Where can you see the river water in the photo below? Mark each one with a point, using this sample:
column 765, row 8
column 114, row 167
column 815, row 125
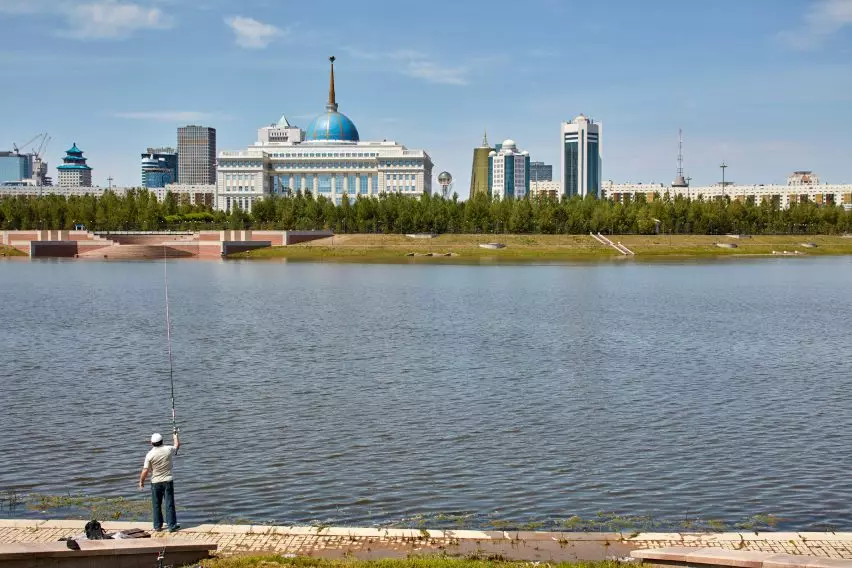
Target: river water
column 401, row 394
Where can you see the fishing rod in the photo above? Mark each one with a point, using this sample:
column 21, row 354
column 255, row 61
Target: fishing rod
column 169, row 336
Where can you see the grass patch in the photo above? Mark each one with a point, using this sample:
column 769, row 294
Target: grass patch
column 413, row 562
column 542, row 248
column 85, row 507
column 10, row 251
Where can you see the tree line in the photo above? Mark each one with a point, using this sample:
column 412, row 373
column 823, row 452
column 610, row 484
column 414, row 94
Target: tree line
column 139, row 210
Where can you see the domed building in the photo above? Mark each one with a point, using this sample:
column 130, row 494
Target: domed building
column 328, row 159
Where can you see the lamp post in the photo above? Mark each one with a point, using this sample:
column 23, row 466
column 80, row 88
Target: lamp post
column 723, row 166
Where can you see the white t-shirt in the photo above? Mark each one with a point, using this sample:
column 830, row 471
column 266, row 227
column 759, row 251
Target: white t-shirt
column 159, row 462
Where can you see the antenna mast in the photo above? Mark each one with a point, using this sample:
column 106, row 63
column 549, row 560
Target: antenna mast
column 680, row 181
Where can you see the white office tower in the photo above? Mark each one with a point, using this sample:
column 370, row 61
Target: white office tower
column 509, row 172
column 581, row 157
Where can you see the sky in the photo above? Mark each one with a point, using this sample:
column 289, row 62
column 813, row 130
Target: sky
column 764, row 85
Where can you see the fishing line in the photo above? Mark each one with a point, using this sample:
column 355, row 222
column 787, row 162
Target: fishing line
column 169, row 334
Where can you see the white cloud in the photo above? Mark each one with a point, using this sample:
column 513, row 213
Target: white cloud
column 95, row 19
column 251, row 34
column 824, row 19
column 434, row 73
column 416, row 64
column 167, row 116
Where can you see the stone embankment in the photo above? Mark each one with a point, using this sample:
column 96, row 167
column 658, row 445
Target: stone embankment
column 368, row 543
column 149, row 245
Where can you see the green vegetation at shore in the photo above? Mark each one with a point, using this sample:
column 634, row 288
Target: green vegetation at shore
column 412, row 562
column 396, row 214
column 10, row 251
column 544, row 248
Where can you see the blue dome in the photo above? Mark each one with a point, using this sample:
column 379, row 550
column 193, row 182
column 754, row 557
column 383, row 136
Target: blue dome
column 334, row 127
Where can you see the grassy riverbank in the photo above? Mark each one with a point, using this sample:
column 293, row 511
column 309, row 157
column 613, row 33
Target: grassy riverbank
column 544, row 248
column 9, row 251
column 413, row 562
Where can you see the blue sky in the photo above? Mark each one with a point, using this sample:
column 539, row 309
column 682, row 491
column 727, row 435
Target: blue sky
column 765, row 85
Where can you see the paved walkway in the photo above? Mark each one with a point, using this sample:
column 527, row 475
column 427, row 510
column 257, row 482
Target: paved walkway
column 384, row 543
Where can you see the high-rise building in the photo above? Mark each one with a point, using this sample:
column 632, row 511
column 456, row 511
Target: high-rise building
column 196, row 155
column 159, row 167
column 14, row 167
column 509, row 172
column 480, row 170
column 74, row 172
column 539, row 171
column 580, row 151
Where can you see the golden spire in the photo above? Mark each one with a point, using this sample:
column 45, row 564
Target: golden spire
column 332, row 101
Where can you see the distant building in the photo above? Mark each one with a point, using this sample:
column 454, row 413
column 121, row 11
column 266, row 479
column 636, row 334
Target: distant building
column 783, row 195
column 581, row 157
column 14, row 167
column 74, row 172
column 803, row 177
column 188, row 194
column 280, row 132
column 196, row 155
column 550, row 189
column 159, row 167
column 480, row 171
column 328, row 159
column 509, row 172
column 539, row 171
column 166, row 160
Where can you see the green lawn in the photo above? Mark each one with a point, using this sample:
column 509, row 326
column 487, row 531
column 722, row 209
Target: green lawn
column 532, row 248
column 414, row 562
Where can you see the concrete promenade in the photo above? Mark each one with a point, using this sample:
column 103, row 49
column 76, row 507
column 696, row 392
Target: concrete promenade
column 371, row 543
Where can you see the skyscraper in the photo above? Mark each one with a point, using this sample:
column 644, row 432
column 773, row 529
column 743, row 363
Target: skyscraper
column 580, row 151
column 539, row 171
column 509, row 171
column 197, row 155
column 14, row 167
column 480, row 171
column 159, row 167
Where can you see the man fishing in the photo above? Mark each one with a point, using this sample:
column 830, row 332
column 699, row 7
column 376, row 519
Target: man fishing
column 158, row 462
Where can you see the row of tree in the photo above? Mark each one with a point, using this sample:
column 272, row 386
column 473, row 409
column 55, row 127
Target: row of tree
column 392, row 213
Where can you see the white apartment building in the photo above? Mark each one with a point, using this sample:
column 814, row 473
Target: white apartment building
column 545, row 189
column 785, row 195
column 580, row 152
column 509, row 172
column 202, row 194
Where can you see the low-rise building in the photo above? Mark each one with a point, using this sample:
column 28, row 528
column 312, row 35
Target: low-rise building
column 188, row 194
column 552, row 189
column 29, row 190
column 784, row 195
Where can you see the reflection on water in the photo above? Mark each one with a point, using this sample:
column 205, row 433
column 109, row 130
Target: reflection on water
column 370, row 394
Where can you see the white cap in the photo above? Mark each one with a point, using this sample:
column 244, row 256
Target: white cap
column 156, row 439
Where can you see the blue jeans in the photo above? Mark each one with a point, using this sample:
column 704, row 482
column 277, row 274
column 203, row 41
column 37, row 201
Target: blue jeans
column 160, row 491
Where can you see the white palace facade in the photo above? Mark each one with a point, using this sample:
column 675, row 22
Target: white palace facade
column 328, row 159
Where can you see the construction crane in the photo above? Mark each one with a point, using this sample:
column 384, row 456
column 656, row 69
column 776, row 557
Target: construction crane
column 27, row 143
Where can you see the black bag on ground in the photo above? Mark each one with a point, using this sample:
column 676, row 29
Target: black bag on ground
column 94, row 531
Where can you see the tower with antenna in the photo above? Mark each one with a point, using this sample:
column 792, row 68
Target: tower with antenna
column 680, row 181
